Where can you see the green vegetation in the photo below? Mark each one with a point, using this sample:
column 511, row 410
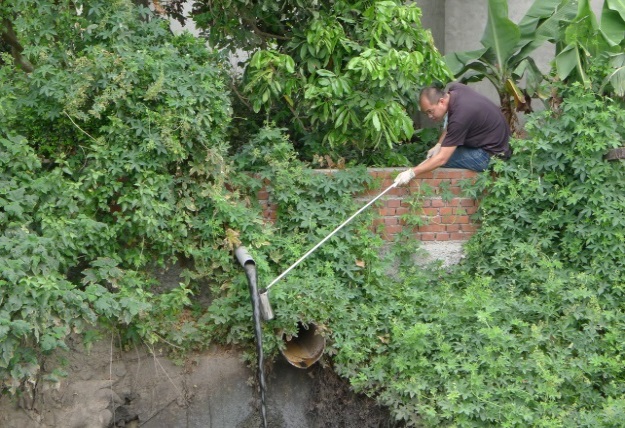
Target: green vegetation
column 116, row 160
column 571, row 25
column 114, row 163
column 528, row 331
column 341, row 77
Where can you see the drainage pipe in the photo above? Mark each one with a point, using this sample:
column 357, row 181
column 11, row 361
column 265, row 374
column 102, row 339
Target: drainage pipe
column 249, row 266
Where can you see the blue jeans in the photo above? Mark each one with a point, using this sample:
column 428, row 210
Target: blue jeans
column 468, row 158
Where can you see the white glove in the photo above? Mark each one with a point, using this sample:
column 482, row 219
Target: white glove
column 434, row 150
column 404, row 177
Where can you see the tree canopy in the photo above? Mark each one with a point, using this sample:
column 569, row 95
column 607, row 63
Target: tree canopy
column 341, row 76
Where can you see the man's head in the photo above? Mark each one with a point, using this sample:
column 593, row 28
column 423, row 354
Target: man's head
column 434, row 102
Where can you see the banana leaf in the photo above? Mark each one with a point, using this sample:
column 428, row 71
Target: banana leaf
column 580, row 43
column 501, row 36
column 533, row 76
column 616, row 79
column 613, row 21
column 568, row 60
column 459, row 62
column 542, row 23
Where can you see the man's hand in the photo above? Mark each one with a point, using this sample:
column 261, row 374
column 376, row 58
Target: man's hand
column 404, row 177
column 433, row 151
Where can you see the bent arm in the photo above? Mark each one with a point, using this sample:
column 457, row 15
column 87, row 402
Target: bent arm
column 434, row 150
column 436, row 161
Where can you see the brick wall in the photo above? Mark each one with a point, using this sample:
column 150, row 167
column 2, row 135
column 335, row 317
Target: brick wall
column 445, row 213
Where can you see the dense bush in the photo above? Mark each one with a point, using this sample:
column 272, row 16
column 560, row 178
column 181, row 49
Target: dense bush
column 114, row 163
column 342, row 77
column 44, row 234
column 559, row 198
column 528, row 331
column 541, row 348
column 114, row 160
column 309, row 206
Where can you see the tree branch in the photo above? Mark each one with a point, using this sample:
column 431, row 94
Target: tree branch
column 9, row 37
column 261, row 33
column 240, row 96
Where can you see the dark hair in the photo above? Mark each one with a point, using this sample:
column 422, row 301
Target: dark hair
column 433, row 93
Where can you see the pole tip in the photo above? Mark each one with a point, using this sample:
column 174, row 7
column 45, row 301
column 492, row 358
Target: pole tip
column 265, row 307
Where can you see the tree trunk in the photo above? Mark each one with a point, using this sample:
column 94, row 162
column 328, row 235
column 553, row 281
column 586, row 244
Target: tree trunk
column 507, row 108
column 10, row 38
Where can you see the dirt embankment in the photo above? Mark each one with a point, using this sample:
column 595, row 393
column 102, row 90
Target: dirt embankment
column 106, row 387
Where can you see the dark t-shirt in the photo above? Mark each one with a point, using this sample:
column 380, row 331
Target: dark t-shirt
column 475, row 121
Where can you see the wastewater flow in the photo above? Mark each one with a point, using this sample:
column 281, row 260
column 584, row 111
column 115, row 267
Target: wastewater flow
column 250, row 272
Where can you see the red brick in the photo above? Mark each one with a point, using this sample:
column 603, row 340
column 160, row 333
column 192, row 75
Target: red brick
column 470, row 210
column 393, row 203
column 401, row 211
column 434, row 219
column 449, row 219
column 445, row 211
column 393, row 229
column 432, row 228
column 386, row 211
column 460, row 236
column 469, row 228
column 462, row 219
column 427, row 236
column 452, row 228
column 448, row 173
column 429, row 211
column 443, row 236
column 262, row 195
column 391, row 221
column 398, row 191
column 437, row 203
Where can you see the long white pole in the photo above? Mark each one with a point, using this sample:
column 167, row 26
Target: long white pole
column 283, row 274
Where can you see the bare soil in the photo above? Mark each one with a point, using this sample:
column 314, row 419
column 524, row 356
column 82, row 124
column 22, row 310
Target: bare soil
column 335, row 405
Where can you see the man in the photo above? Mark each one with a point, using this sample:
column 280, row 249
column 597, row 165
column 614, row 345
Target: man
column 474, row 131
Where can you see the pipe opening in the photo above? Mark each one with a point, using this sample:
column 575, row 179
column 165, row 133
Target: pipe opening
column 304, row 349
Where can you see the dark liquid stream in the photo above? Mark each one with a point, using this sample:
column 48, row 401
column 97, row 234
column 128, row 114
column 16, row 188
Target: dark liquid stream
column 250, row 272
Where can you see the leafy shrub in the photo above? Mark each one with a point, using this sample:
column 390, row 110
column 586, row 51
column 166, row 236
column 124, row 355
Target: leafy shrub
column 341, row 76
column 43, row 233
column 559, row 197
column 543, row 348
column 310, row 205
column 528, row 330
column 113, row 163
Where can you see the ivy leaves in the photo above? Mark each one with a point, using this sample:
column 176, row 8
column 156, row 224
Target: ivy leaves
column 560, row 192
column 114, row 160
